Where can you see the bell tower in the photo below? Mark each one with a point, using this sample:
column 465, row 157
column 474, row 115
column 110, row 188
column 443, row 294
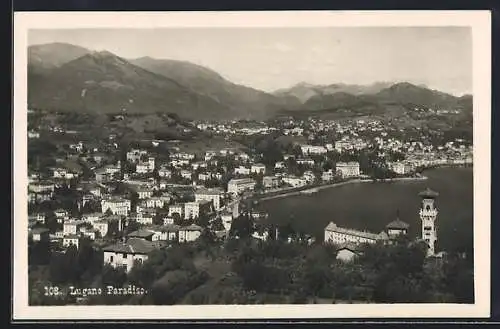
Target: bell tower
column 428, row 214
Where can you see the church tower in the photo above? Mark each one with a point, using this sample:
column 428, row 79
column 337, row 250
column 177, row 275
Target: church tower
column 428, row 214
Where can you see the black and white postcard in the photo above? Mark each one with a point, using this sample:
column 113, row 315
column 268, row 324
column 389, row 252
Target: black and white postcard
column 237, row 165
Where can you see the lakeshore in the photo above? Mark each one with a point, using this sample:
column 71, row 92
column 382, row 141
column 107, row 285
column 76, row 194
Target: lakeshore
column 372, row 206
column 308, row 190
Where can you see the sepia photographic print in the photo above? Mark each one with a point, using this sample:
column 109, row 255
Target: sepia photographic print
column 251, row 165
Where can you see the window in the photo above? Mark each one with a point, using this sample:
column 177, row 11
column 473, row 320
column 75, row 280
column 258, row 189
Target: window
column 110, row 259
column 124, row 255
column 428, row 207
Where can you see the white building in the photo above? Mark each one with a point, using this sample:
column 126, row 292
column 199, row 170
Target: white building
column 164, row 172
column 271, row 182
column 237, row 186
column 258, row 168
column 214, row 195
column 327, row 176
column 194, row 209
column 156, row 202
column 124, row 255
column 242, row 171
column 145, row 167
column 102, row 226
column 189, row 233
column 186, row 174
column 176, row 209
column 340, row 235
column 135, row 155
column 312, row 149
column 294, row 181
column 71, row 240
column 348, row 169
column 144, row 193
column 72, row 227
column 279, row 165
column 227, row 220
column 118, row 206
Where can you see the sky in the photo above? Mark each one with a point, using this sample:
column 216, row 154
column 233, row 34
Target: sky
column 272, row 58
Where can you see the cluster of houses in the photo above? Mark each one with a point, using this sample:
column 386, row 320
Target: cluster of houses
column 164, row 194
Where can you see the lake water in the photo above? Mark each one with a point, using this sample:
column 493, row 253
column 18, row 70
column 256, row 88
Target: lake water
column 371, row 206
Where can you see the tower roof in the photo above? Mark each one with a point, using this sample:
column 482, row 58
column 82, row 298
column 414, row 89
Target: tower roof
column 428, row 193
column 397, row 225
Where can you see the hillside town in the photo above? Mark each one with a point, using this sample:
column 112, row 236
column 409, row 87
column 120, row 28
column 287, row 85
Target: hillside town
column 153, row 197
column 127, row 200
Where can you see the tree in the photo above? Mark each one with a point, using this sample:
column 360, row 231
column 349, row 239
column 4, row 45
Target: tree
column 177, row 218
column 242, row 226
column 158, row 219
column 115, row 277
column 142, row 274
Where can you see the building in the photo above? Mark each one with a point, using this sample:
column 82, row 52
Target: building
column 165, row 172
column 258, row 168
column 347, row 252
column 38, row 217
column 156, row 202
column 244, row 171
column 340, row 235
column 312, row 149
column 309, row 176
column 144, row 218
column 145, row 167
column 135, row 155
column 144, row 193
column 90, row 233
column 214, row 195
column 71, row 240
column 170, row 232
column 237, row 186
column 186, row 174
column 92, row 217
column 72, row 227
column 396, row 228
column 168, row 221
column 227, row 220
column 189, row 233
column 327, row 176
column 348, row 169
column 271, row 182
column 428, row 214
column 40, row 234
column 294, row 181
column 279, row 165
column 102, row 226
column 118, row 206
column 41, row 187
column 125, row 254
column 142, row 234
column 176, row 209
column 195, row 209
column 401, row 168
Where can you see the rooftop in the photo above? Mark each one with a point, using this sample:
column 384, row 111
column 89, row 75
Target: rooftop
column 398, row 225
column 141, row 234
column 192, row 227
column 132, row 246
column 332, row 227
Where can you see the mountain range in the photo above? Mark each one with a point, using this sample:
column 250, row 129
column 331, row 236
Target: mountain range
column 65, row 77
